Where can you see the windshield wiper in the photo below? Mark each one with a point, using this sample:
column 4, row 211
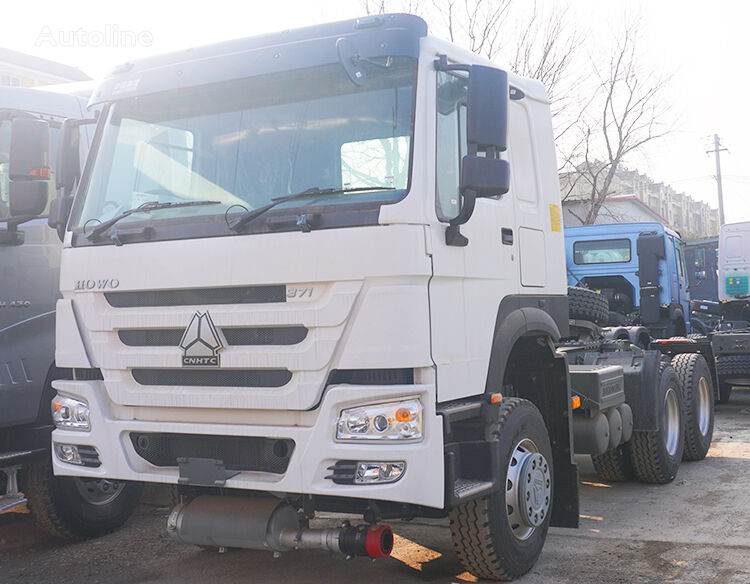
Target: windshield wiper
column 248, row 216
column 144, row 208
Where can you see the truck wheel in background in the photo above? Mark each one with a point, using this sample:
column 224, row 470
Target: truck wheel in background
column 698, row 392
column 500, row 536
column 656, row 456
column 732, row 370
column 76, row 508
column 585, row 304
column 614, row 465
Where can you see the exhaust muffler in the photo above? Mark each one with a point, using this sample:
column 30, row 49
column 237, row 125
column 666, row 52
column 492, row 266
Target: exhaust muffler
column 263, row 523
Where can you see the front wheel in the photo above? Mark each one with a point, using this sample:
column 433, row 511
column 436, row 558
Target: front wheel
column 500, row 536
column 78, row 508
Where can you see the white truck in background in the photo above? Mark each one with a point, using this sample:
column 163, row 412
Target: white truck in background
column 29, row 288
column 299, row 276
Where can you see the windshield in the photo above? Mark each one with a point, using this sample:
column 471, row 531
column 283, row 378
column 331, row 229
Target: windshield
column 249, row 141
column 608, row 251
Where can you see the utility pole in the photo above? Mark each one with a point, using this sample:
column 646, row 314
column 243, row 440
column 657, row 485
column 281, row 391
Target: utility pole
column 717, row 149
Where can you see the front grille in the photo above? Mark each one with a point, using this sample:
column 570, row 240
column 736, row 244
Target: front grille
column 92, row 374
column 288, row 335
column 371, row 376
column 343, row 472
column 236, row 452
column 213, row 377
column 197, row 296
column 89, row 456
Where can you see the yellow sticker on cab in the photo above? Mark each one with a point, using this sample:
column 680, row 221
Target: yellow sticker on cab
column 554, row 218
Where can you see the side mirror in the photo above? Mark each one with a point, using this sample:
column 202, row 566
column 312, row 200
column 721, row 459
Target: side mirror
column 487, row 115
column 28, row 167
column 68, row 168
column 67, row 173
column 486, row 133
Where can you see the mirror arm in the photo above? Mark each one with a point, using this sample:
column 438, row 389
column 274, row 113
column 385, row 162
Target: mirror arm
column 453, row 235
column 441, row 64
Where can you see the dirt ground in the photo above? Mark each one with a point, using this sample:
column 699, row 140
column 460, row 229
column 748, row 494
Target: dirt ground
column 694, row 530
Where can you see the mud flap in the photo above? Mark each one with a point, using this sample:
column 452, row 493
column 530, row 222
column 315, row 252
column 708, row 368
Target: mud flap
column 558, row 419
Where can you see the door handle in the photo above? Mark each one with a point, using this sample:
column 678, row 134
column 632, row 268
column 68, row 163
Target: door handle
column 507, row 236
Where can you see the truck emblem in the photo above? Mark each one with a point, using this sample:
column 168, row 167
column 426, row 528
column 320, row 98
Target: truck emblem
column 200, row 342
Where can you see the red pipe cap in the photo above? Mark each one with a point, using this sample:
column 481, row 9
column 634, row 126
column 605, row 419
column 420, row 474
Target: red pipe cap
column 379, row 541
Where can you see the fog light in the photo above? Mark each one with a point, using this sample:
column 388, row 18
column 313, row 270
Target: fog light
column 378, row 472
column 68, row 453
column 70, row 414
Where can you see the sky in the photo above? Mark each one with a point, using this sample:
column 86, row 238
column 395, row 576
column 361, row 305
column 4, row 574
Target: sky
column 702, row 46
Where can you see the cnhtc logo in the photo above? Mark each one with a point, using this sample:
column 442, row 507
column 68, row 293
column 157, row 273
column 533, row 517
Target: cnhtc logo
column 200, row 342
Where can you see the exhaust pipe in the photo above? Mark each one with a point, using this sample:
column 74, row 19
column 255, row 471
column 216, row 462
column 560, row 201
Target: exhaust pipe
column 262, row 523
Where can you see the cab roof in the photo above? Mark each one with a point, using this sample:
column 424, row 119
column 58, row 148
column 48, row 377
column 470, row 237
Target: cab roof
column 373, row 37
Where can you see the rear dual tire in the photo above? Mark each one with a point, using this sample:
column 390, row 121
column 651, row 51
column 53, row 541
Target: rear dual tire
column 698, row 392
column 656, row 456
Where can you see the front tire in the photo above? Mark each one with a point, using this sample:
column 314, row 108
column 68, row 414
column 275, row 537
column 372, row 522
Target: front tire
column 500, row 536
column 695, row 376
column 76, row 508
column 656, row 456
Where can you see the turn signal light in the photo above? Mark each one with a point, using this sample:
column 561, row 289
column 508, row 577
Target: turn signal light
column 576, row 402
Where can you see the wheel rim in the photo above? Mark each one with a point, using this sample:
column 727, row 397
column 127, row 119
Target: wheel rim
column 703, row 407
column 671, row 421
column 528, row 487
column 98, row 491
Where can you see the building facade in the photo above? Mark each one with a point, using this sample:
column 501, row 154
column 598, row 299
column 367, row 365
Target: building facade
column 22, row 70
column 636, row 197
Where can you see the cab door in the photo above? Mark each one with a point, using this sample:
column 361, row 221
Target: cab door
column 470, row 281
column 683, row 283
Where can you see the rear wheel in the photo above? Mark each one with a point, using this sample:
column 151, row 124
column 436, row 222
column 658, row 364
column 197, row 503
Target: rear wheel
column 656, row 456
column 614, row 465
column 500, row 536
column 698, row 392
column 78, row 508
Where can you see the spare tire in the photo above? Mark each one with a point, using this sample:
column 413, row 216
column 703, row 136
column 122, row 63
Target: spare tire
column 585, row 304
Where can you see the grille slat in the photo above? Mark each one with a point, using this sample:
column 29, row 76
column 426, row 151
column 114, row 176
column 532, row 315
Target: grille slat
column 197, row 296
column 243, row 453
column 213, row 377
column 288, row 335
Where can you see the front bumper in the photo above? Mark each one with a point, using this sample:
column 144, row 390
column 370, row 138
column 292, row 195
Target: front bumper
column 315, row 446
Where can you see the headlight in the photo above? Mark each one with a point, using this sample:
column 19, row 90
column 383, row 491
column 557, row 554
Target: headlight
column 392, row 421
column 70, row 413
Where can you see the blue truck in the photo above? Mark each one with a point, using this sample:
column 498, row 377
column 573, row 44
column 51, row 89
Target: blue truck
column 639, row 267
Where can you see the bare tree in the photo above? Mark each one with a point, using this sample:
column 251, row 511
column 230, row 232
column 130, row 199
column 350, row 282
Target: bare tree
column 628, row 113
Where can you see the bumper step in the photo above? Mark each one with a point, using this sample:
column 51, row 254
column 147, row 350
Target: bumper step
column 13, row 504
column 465, row 489
column 19, row 456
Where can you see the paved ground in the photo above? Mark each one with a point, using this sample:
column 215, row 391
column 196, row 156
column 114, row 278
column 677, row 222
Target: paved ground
column 695, row 530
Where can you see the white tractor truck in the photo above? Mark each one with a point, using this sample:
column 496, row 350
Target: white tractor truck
column 323, row 270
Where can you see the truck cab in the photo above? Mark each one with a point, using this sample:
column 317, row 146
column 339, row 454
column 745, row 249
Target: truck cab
column 31, row 125
column 639, row 267
column 299, row 275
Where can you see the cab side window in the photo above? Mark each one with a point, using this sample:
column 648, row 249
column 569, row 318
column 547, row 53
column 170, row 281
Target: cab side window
column 451, row 142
